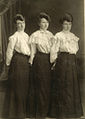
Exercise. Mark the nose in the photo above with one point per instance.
(19, 25)
(46, 24)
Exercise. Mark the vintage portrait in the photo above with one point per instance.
(42, 59)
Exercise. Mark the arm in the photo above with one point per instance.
(33, 52)
(76, 48)
(10, 50)
(54, 50)
(74, 45)
(77, 45)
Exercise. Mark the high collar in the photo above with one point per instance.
(43, 31)
(66, 32)
(20, 31)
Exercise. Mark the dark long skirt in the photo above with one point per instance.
(65, 99)
(19, 82)
(40, 90)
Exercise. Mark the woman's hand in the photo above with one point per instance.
(53, 66)
(7, 68)
(4, 74)
(30, 61)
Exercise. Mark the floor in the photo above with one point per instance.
(4, 96)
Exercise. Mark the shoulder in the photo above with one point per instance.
(58, 34)
(33, 37)
(26, 34)
(49, 32)
(73, 36)
(34, 34)
(13, 36)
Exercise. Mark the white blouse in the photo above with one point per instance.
(18, 42)
(64, 42)
(41, 41)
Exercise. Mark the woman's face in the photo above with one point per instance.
(44, 24)
(20, 25)
(67, 25)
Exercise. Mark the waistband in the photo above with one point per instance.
(66, 53)
(41, 53)
(17, 53)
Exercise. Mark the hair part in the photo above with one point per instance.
(66, 17)
(19, 17)
(44, 15)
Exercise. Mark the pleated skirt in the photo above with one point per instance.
(65, 90)
(40, 86)
(18, 78)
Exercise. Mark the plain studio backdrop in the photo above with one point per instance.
(30, 9)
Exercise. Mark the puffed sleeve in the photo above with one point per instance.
(75, 44)
(54, 49)
(52, 39)
(75, 38)
(33, 38)
(10, 50)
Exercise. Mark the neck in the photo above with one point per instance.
(66, 31)
(43, 29)
(20, 30)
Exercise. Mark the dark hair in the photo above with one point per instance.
(18, 17)
(44, 15)
(67, 16)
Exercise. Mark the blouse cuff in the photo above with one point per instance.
(8, 63)
(53, 58)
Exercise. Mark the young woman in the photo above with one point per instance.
(17, 58)
(40, 59)
(66, 102)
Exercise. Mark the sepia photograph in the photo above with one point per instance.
(42, 59)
